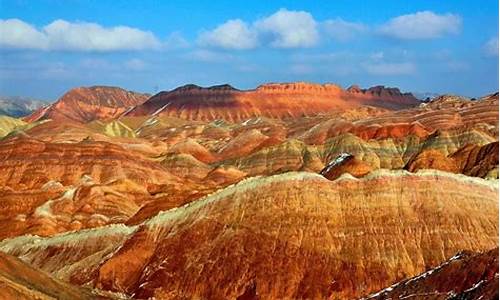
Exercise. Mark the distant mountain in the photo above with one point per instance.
(15, 106)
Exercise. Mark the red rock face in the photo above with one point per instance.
(467, 275)
(270, 100)
(88, 104)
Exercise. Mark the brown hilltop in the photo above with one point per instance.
(85, 104)
(270, 100)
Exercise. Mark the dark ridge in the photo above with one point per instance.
(186, 87)
(190, 87)
(354, 89)
(378, 90)
(224, 87)
(94, 87)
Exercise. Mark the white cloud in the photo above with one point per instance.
(15, 33)
(289, 29)
(421, 25)
(383, 68)
(491, 47)
(283, 29)
(80, 36)
(90, 36)
(342, 30)
(234, 34)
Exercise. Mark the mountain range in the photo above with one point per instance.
(285, 191)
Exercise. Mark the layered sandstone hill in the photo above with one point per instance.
(27, 163)
(20, 281)
(47, 188)
(467, 275)
(444, 114)
(270, 100)
(472, 160)
(289, 236)
(85, 104)
(53, 187)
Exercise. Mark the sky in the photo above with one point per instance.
(48, 47)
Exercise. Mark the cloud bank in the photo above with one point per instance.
(234, 34)
(299, 29)
(79, 36)
(283, 29)
(421, 25)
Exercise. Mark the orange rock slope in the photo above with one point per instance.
(289, 236)
(22, 282)
(86, 104)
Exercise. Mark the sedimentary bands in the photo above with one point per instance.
(286, 191)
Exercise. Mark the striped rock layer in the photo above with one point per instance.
(289, 236)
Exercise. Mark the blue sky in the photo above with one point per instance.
(48, 47)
